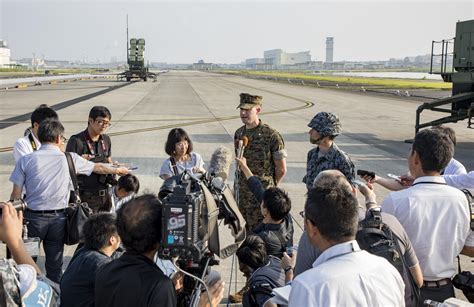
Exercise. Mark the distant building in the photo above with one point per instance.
(278, 58)
(4, 54)
(202, 66)
(253, 62)
(329, 49)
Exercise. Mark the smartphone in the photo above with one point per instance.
(362, 172)
(290, 249)
(358, 182)
(397, 178)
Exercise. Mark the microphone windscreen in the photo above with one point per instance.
(221, 161)
(245, 141)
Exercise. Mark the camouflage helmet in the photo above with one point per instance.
(327, 124)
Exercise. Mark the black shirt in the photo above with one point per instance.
(277, 237)
(78, 143)
(78, 281)
(133, 280)
(262, 282)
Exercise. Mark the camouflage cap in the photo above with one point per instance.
(248, 101)
(327, 124)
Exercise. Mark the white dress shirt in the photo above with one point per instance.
(23, 147)
(463, 181)
(344, 275)
(436, 219)
(454, 167)
(45, 176)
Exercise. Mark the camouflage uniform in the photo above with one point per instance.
(327, 125)
(265, 144)
(334, 159)
(10, 285)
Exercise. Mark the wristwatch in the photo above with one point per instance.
(288, 268)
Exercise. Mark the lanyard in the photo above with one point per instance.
(32, 141)
(91, 146)
(429, 182)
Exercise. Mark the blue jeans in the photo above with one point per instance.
(50, 228)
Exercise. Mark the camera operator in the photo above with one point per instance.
(134, 279)
(45, 176)
(21, 279)
(94, 145)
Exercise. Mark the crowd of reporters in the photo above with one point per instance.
(117, 265)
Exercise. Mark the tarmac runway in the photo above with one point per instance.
(204, 104)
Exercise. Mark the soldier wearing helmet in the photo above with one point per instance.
(325, 127)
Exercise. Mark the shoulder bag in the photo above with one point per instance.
(77, 212)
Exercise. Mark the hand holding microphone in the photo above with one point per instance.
(242, 144)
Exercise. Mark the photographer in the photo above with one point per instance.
(21, 279)
(94, 145)
(134, 279)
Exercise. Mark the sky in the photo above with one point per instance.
(227, 31)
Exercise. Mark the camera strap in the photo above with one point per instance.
(470, 204)
(90, 143)
(72, 174)
(173, 166)
(32, 141)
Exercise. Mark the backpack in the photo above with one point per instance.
(376, 237)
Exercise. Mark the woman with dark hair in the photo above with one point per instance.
(180, 149)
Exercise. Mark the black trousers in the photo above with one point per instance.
(50, 228)
(438, 294)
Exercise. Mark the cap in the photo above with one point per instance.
(248, 101)
(327, 124)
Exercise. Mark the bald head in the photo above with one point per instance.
(332, 178)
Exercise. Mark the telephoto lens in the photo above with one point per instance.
(18, 204)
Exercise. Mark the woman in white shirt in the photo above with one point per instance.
(180, 149)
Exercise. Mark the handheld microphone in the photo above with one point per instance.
(220, 162)
(242, 144)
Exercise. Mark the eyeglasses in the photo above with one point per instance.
(102, 122)
(63, 139)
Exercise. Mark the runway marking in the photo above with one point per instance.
(8, 122)
(24, 117)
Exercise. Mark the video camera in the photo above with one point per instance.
(191, 208)
(18, 204)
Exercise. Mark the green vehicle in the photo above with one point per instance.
(136, 62)
(460, 52)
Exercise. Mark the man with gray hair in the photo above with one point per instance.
(45, 176)
(308, 253)
(343, 275)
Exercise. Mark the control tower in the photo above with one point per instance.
(329, 49)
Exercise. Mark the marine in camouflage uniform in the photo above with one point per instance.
(324, 128)
(265, 145)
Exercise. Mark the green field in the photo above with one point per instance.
(345, 80)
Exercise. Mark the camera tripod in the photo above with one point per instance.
(194, 280)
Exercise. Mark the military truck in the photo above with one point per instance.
(460, 51)
(136, 62)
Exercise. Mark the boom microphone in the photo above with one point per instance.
(220, 162)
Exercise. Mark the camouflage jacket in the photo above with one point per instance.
(265, 145)
(10, 283)
(334, 159)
